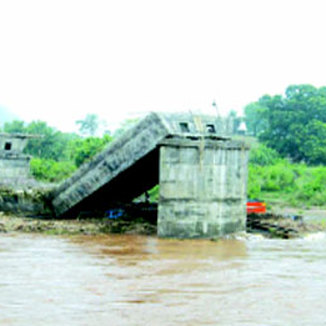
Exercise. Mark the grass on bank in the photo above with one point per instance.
(278, 181)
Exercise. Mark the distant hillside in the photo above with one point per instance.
(6, 115)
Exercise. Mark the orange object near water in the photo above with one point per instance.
(256, 206)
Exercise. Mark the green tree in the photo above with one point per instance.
(50, 170)
(295, 123)
(314, 145)
(255, 118)
(88, 126)
(51, 143)
(15, 126)
(86, 148)
(263, 155)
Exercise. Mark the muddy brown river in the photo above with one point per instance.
(135, 280)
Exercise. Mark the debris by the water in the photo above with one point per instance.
(72, 227)
(280, 226)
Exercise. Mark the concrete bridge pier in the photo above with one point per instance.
(202, 187)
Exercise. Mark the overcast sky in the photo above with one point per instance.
(62, 59)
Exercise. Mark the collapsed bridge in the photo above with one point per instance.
(202, 176)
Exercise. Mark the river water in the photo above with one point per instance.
(135, 280)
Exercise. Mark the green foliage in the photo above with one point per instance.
(50, 170)
(294, 124)
(254, 183)
(77, 150)
(14, 126)
(52, 144)
(85, 149)
(311, 187)
(293, 184)
(271, 178)
(314, 145)
(256, 121)
(278, 177)
(263, 155)
(154, 193)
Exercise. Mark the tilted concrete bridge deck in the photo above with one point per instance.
(152, 152)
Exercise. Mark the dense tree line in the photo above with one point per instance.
(293, 124)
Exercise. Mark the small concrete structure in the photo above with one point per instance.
(201, 172)
(20, 194)
(13, 163)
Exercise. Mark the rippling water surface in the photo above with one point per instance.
(133, 280)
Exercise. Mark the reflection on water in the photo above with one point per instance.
(133, 280)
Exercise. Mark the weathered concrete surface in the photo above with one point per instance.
(13, 163)
(202, 187)
(14, 166)
(13, 143)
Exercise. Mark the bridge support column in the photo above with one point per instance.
(202, 188)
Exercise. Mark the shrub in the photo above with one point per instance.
(50, 170)
(263, 155)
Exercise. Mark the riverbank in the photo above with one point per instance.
(74, 227)
(270, 225)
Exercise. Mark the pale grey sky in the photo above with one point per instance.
(62, 59)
